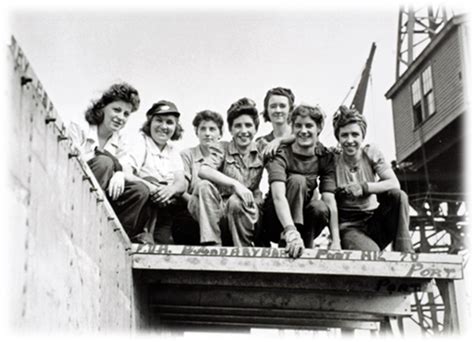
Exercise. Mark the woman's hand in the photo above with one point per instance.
(335, 245)
(272, 147)
(165, 193)
(244, 193)
(116, 185)
(162, 194)
(294, 243)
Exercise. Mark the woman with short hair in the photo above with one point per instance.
(208, 127)
(278, 105)
(230, 178)
(293, 214)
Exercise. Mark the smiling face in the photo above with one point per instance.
(306, 131)
(350, 138)
(208, 132)
(278, 109)
(243, 130)
(115, 116)
(162, 128)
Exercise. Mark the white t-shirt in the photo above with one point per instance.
(147, 160)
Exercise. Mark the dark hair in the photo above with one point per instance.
(280, 91)
(208, 115)
(178, 132)
(345, 116)
(314, 112)
(241, 107)
(117, 92)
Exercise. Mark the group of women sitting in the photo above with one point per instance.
(209, 194)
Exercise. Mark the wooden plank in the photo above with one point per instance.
(265, 321)
(313, 261)
(227, 327)
(395, 304)
(293, 281)
(220, 310)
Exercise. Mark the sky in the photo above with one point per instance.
(207, 58)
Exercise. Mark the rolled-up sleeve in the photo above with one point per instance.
(122, 148)
(377, 160)
(187, 164)
(215, 159)
(135, 158)
(77, 136)
(276, 168)
(327, 175)
(176, 161)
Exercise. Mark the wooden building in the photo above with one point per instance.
(429, 103)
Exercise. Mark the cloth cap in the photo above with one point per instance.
(163, 107)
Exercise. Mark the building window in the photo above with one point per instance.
(416, 98)
(423, 103)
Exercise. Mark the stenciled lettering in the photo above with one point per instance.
(245, 252)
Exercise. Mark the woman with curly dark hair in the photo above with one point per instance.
(156, 162)
(103, 148)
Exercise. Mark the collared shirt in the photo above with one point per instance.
(371, 165)
(319, 163)
(147, 160)
(225, 157)
(192, 160)
(86, 139)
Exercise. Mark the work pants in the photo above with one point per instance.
(310, 216)
(373, 231)
(185, 229)
(131, 204)
(215, 214)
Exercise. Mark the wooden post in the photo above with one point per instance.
(450, 296)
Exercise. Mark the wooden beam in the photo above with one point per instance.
(291, 282)
(452, 314)
(313, 261)
(237, 297)
(220, 310)
(259, 321)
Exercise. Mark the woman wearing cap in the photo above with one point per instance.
(102, 146)
(230, 177)
(294, 209)
(157, 163)
(373, 211)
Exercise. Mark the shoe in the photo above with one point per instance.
(144, 238)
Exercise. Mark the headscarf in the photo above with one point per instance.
(345, 116)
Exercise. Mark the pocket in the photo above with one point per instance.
(233, 169)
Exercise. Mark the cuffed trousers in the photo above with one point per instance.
(215, 213)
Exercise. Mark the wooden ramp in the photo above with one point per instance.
(186, 286)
